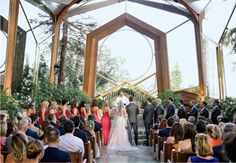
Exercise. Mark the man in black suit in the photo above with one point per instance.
(53, 122)
(204, 112)
(170, 108)
(158, 110)
(181, 112)
(215, 112)
(79, 133)
(193, 112)
(148, 118)
(133, 111)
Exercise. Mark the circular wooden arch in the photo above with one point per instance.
(160, 44)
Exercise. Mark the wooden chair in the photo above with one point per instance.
(180, 156)
(150, 137)
(98, 138)
(155, 137)
(160, 146)
(88, 152)
(93, 145)
(77, 157)
(165, 154)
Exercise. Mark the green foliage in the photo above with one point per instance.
(229, 38)
(169, 93)
(176, 78)
(228, 105)
(10, 104)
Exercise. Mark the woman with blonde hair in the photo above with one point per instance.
(214, 132)
(203, 150)
(43, 111)
(34, 151)
(18, 148)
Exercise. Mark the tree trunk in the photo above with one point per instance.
(61, 76)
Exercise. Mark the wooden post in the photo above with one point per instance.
(11, 44)
(220, 69)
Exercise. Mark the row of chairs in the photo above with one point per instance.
(89, 148)
(165, 152)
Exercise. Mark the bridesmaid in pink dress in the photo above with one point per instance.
(95, 109)
(106, 123)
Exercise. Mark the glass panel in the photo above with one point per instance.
(182, 57)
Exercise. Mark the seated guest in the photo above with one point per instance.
(182, 121)
(165, 131)
(53, 122)
(181, 112)
(187, 144)
(3, 138)
(69, 142)
(30, 132)
(214, 132)
(97, 125)
(230, 145)
(176, 134)
(200, 126)
(89, 128)
(203, 150)
(221, 125)
(229, 127)
(18, 148)
(34, 151)
(78, 132)
(192, 119)
(163, 123)
(34, 124)
(43, 131)
(22, 126)
(52, 153)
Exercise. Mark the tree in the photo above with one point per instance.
(176, 78)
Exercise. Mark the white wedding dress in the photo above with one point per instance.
(118, 139)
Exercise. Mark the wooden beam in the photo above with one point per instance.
(90, 7)
(56, 28)
(220, 69)
(11, 44)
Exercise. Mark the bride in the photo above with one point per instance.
(118, 139)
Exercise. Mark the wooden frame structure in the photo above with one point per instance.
(90, 69)
(159, 37)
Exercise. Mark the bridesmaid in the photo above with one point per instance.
(43, 111)
(95, 109)
(106, 122)
(74, 108)
(82, 109)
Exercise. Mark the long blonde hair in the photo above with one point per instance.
(18, 146)
(203, 146)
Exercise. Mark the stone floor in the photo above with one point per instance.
(144, 155)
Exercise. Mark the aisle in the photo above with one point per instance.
(144, 155)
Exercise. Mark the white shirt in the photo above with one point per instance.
(124, 99)
(71, 143)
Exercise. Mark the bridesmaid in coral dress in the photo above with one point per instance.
(95, 109)
(106, 123)
(82, 109)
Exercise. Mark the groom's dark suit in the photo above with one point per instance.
(148, 119)
(133, 111)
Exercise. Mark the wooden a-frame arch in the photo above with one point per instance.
(160, 43)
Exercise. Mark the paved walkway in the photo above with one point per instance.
(144, 155)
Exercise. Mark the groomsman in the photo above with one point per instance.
(216, 112)
(181, 112)
(204, 112)
(148, 118)
(193, 111)
(158, 110)
(133, 111)
(170, 108)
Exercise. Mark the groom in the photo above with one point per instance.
(133, 111)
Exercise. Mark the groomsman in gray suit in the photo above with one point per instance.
(133, 111)
(148, 118)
